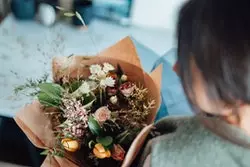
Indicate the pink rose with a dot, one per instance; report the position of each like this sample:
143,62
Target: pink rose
127,89
102,114
118,153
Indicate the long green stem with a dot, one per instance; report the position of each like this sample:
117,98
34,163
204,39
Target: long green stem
101,96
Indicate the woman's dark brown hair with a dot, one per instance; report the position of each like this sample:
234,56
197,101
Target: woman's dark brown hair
215,35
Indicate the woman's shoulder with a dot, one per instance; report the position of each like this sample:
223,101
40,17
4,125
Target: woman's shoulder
177,138
176,132
184,141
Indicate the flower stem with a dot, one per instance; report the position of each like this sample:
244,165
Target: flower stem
101,96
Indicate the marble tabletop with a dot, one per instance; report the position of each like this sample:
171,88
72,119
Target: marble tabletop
26,50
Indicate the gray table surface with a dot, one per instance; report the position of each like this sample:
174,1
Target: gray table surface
26,48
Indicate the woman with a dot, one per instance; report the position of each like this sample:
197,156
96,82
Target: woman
214,67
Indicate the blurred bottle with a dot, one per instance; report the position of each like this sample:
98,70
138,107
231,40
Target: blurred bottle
23,9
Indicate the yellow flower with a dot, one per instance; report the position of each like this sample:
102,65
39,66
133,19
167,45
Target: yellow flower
70,145
100,152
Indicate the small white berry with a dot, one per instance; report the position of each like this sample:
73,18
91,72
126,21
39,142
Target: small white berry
124,78
113,99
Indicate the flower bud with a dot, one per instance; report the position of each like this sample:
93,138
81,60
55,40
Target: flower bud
124,78
114,99
100,152
70,145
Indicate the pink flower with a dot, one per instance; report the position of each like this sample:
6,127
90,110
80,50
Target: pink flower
102,114
78,130
127,88
118,153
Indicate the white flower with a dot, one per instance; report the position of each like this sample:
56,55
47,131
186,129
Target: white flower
93,77
107,67
95,69
84,88
109,81
101,75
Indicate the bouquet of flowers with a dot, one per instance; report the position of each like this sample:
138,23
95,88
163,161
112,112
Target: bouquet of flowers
97,112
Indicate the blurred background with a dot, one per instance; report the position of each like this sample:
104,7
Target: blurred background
147,13
33,31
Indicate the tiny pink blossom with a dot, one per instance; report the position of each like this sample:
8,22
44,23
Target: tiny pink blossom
102,114
127,89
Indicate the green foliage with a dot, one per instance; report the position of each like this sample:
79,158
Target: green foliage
74,86
105,141
45,152
50,94
88,100
31,84
94,126
122,137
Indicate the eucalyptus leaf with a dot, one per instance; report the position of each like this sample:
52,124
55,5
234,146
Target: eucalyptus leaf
69,14
94,126
105,141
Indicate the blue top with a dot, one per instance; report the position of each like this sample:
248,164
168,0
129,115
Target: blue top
174,101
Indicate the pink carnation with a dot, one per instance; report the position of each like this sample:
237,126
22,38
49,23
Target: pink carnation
102,114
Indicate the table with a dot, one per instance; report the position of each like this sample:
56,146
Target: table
26,49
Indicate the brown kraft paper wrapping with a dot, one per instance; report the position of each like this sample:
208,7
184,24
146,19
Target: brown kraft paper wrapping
37,126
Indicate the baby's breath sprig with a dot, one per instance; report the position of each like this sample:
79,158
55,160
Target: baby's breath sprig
31,84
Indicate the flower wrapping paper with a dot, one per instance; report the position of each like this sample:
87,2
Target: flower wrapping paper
37,126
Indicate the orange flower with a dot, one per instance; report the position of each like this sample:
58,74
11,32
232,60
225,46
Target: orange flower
70,145
100,152
118,153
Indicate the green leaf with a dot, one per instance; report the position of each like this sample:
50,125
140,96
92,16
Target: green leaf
80,18
51,88
91,144
88,100
94,126
122,136
58,154
46,100
105,141
74,86
69,14
45,152
50,94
